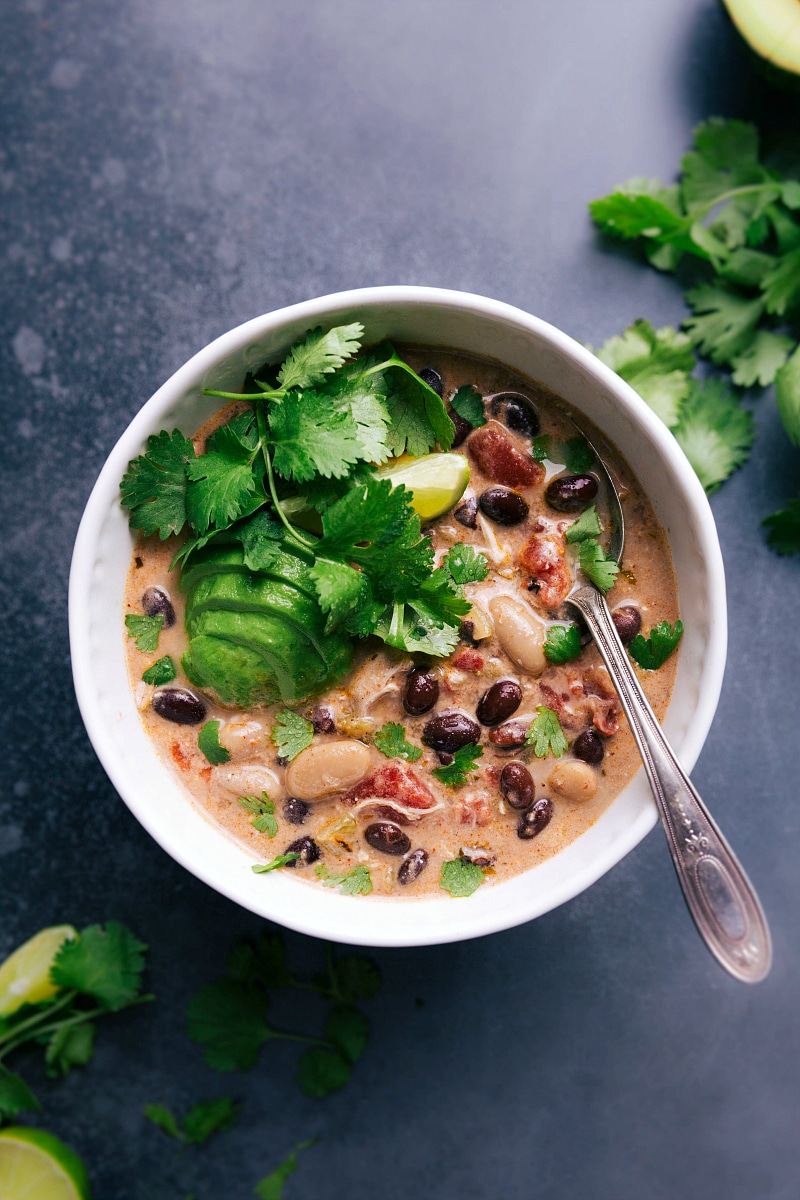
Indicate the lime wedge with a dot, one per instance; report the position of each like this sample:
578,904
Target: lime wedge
35,1165
438,481
25,975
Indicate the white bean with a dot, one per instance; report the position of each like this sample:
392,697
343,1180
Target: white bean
242,738
520,634
250,781
573,780
325,768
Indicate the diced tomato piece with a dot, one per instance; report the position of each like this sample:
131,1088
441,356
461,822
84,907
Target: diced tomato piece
398,783
543,558
468,660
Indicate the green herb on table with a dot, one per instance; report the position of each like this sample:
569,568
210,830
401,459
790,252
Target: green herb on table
356,882
784,528
597,566
291,733
391,741
466,564
203,1119
587,526
145,630
162,671
545,734
460,877
271,1186
280,860
468,403
463,766
653,651
263,813
208,741
562,644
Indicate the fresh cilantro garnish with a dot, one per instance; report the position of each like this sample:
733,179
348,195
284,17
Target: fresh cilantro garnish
545,734
597,566
226,482
145,630
154,486
578,456
356,882
787,394
724,321
291,733
714,432
460,877
208,741
562,644
263,811
468,403
280,860
466,564
229,1018
201,1121
105,963
391,741
162,671
461,768
587,526
784,528
271,1186
319,354
652,652
312,436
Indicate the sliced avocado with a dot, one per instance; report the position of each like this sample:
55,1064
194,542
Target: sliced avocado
223,560
772,30
238,676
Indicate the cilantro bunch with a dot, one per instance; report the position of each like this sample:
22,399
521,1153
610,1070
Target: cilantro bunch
731,225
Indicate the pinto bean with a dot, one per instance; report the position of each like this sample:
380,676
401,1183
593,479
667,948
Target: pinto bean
535,819
499,702
510,735
421,691
573,780
180,706
571,493
388,838
450,731
155,602
308,850
503,506
516,784
628,622
520,634
588,747
413,867
325,768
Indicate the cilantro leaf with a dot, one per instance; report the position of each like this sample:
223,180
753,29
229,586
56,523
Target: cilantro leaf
781,285
578,456
208,741
280,860
145,629
271,1186
207,1117
348,1030
263,811
787,394
291,733
154,485
562,644
356,882
456,773
261,536
262,961
714,432
161,1116
652,652
228,1019
784,528
319,354
356,978
656,363
339,588
587,526
460,877
468,403
638,209
312,435
418,415
391,741
70,1046
762,359
224,483
321,1071
162,671
724,321
545,734
104,963
601,569
407,626
466,564
15,1095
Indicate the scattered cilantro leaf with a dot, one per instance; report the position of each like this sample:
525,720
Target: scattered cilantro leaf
356,882
762,359
145,630
461,768
391,741
348,1030
468,403
724,321
229,1020
714,432
562,644
652,652
201,1121
208,741
271,1186
545,734
319,354
162,671
154,486
466,564
784,528
225,483
70,1046
418,415
460,877
104,963
578,456
312,436
280,860
657,363
321,1071
355,978
781,285
15,1095
787,394
601,569
291,733
587,526
161,1116
262,961
263,811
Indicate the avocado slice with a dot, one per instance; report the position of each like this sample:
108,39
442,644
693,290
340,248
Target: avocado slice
223,560
238,676
772,30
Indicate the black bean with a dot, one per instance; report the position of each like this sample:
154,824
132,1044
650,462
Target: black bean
588,747
467,513
478,855
156,602
308,850
535,819
466,632
295,811
463,428
450,731
388,838
180,706
509,736
413,867
516,784
433,379
322,719
571,493
421,691
503,505
499,702
517,413
628,622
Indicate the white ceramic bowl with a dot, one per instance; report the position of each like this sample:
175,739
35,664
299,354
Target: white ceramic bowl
103,550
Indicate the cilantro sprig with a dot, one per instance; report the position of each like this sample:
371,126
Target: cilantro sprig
145,630
203,1119
562,644
262,813
462,768
291,733
460,877
545,735
653,651
391,741
162,671
468,403
208,741
356,882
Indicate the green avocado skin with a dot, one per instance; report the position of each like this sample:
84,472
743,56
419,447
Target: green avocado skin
256,637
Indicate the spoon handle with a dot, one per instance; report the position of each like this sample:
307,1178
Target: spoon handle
720,897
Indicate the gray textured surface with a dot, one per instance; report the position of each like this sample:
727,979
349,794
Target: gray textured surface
168,169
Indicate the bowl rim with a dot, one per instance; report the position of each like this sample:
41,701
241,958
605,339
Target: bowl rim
327,922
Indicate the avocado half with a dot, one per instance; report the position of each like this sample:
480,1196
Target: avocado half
772,30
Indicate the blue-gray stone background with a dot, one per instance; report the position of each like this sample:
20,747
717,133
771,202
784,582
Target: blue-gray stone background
169,168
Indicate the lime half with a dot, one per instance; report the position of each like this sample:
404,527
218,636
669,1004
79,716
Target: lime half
25,975
35,1165
438,481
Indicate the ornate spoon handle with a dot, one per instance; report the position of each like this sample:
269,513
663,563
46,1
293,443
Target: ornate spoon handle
720,897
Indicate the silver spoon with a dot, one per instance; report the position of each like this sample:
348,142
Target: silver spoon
721,898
